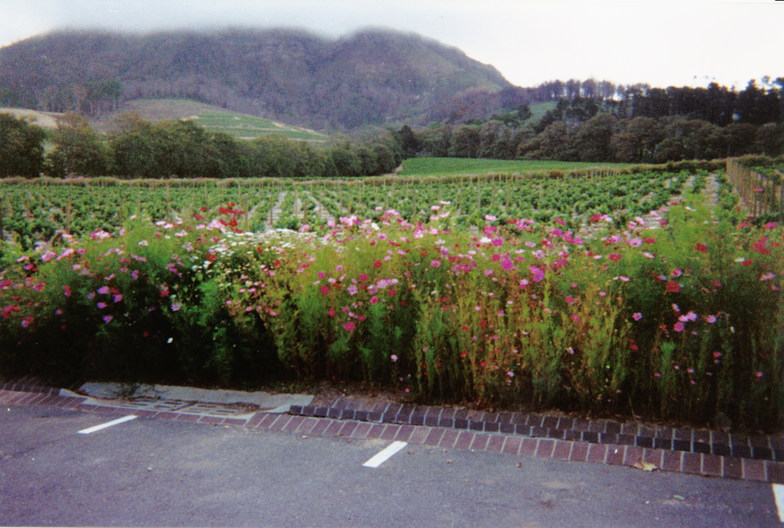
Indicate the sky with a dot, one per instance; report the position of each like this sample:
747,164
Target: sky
658,42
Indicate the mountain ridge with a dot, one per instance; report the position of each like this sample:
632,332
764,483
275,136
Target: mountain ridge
371,77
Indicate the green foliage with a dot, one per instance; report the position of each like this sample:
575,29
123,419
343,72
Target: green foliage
21,147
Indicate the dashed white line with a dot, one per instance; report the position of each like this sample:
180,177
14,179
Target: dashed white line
778,494
107,424
390,450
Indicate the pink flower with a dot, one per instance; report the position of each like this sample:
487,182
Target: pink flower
331,313
349,326
637,316
362,278
488,272
324,289
393,357
624,279
676,272
569,299
576,318
711,319
758,374
103,290
490,218
67,290
107,318
321,275
678,327
374,300
537,273
27,321
673,287
118,298
101,305
435,263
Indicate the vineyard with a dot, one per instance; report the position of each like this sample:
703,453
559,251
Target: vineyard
35,210
635,292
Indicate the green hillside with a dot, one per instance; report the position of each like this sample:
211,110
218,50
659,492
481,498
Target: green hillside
209,117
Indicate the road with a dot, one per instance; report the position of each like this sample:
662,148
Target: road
152,472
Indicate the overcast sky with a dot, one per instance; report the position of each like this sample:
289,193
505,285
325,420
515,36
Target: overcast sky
659,42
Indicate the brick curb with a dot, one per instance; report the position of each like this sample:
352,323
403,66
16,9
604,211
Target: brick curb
491,439
596,431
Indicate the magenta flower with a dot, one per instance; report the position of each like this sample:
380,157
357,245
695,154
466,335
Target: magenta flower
349,326
117,298
537,273
321,275
569,299
67,290
637,316
103,290
352,290
325,289
678,327
711,319
393,357
374,300
107,318
101,305
435,263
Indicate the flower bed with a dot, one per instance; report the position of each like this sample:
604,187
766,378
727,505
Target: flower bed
683,322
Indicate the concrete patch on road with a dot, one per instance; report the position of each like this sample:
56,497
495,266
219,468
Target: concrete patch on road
182,398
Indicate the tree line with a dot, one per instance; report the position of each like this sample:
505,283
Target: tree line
137,148
755,104
582,129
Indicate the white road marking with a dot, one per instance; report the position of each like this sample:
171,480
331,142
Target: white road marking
390,450
778,494
107,424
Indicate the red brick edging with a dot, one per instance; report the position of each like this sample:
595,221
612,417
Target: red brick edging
547,448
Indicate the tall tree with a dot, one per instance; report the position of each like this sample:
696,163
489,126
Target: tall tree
21,147
79,150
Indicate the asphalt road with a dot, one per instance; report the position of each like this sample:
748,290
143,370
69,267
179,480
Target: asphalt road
148,472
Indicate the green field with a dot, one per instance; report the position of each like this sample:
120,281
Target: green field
465,166
249,127
209,117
